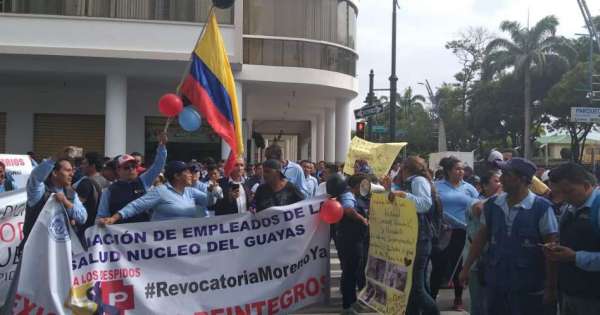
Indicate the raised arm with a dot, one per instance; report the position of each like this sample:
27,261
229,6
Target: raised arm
35,183
159,162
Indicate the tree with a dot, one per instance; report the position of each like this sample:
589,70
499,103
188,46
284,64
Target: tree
408,101
528,48
469,48
567,93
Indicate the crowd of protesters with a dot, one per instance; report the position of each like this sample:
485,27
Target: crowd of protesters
524,240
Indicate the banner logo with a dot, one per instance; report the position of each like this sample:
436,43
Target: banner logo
58,229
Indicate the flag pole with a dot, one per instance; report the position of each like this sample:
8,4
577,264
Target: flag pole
189,64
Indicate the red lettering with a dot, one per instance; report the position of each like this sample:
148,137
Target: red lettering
273,306
217,311
245,311
27,307
40,311
258,307
315,287
11,232
287,299
298,292
21,230
200,313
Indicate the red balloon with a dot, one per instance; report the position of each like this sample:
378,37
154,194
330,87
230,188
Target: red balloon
331,211
170,105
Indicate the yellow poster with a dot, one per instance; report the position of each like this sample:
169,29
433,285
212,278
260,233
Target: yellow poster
393,241
380,156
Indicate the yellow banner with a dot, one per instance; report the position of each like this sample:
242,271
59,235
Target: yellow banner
392,247
380,156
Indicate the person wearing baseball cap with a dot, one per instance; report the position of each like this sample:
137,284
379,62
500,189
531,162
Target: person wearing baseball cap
519,279
176,199
130,185
495,159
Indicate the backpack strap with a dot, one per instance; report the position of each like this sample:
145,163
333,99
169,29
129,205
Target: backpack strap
487,212
595,214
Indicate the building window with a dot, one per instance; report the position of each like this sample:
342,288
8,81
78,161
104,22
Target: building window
296,53
325,20
171,10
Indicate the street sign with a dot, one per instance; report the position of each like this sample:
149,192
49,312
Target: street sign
368,111
585,114
379,129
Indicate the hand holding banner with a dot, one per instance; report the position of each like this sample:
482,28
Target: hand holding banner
380,156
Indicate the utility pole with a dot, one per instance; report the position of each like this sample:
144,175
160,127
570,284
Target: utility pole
393,77
370,100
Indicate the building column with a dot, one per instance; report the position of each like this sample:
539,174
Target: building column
320,138
342,129
330,135
19,132
313,140
115,129
225,150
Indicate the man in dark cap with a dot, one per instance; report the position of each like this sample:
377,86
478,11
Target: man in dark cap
276,190
519,280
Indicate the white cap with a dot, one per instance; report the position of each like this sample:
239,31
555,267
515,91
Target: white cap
495,156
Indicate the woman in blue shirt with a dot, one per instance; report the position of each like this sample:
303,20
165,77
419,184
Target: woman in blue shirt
7,183
176,199
456,196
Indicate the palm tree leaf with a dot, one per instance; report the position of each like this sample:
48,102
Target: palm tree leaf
496,62
502,44
515,30
544,28
560,46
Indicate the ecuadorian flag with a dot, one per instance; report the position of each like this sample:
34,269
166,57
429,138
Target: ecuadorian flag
211,88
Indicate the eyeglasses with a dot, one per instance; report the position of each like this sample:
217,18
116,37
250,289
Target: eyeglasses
128,167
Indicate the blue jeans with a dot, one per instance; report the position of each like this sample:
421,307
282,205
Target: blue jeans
420,301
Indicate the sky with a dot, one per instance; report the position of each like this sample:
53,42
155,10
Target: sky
424,26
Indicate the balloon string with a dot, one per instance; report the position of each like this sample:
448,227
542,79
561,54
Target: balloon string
167,124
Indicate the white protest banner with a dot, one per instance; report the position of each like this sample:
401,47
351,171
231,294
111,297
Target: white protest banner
12,215
273,262
18,166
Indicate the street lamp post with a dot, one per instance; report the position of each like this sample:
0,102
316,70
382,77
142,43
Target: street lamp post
393,77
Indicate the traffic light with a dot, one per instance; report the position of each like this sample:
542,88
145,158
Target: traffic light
360,129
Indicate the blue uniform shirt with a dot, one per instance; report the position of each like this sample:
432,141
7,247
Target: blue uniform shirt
455,201
420,193
347,200
36,189
588,261
311,185
295,175
167,204
3,189
547,225
147,179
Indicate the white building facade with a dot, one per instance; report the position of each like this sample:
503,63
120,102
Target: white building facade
89,73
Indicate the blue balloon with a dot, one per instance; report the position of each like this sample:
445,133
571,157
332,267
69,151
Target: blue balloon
189,119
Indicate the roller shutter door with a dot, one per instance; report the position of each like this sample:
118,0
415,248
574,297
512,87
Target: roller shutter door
2,132
53,132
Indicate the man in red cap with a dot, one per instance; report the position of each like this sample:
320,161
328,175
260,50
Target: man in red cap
129,186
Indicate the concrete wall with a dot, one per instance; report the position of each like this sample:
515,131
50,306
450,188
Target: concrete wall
103,37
